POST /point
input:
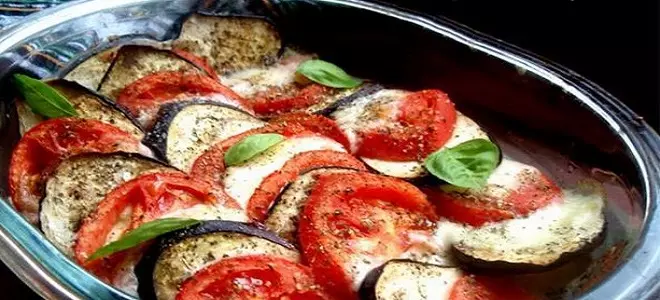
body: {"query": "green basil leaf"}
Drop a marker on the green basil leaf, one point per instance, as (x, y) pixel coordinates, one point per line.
(145, 232)
(466, 165)
(42, 98)
(327, 74)
(251, 146)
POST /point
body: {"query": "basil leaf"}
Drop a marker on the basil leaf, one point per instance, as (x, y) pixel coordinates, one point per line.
(251, 146)
(466, 165)
(145, 232)
(327, 74)
(42, 98)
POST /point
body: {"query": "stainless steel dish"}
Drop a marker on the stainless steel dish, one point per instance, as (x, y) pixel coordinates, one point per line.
(566, 123)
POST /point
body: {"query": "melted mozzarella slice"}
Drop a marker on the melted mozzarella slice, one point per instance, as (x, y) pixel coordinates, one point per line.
(242, 180)
(509, 176)
(361, 114)
(250, 82)
(425, 250)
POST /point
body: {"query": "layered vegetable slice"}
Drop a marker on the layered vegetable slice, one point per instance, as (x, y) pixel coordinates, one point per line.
(394, 130)
(179, 256)
(144, 96)
(210, 166)
(408, 280)
(185, 130)
(354, 222)
(284, 215)
(253, 277)
(278, 89)
(230, 43)
(141, 200)
(87, 103)
(77, 186)
(272, 185)
(315, 123)
(541, 239)
(512, 190)
(134, 62)
(242, 181)
(91, 71)
(43, 147)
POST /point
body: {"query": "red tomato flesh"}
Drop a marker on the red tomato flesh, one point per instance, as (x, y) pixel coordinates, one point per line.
(359, 215)
(315, 123)
(252, 277)
(289, 99)
(144, 96)
(271, 186)
(533, 193)
(143, 199)
(199, 62)
(424, 123)
(43, 147)
(486, 288)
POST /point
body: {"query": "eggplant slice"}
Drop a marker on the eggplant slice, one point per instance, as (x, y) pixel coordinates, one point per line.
(88, 104)
(179, 255)
(285, 212)
(230, 43)
(135, 62)
(409, 280)
(90, 72)
(78, 184)
(351, 118)
(185, 130)
(544, 238)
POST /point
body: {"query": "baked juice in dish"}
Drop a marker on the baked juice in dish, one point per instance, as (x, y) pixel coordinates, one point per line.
(225, 164)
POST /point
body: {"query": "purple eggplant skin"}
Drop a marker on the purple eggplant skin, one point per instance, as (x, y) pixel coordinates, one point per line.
(124, 71)
(367, 290)
(156, 138)
(480, 266)
(365, 90)
(101, 98)
(145, 267)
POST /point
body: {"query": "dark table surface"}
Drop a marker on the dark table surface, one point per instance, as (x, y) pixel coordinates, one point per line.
(613, 43)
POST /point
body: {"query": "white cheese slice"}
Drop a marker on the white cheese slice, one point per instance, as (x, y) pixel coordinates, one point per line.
(242, 180)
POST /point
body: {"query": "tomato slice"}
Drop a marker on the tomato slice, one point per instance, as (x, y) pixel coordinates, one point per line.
(210, 166)
(470, 287)
(44, 146)
(197, 61)
(271, 186)
(531, 193)
(424, 123)
(252, 277)
(143, 199)
(140, 200)
(315, 123)
(144, 96)
(360, 216)
(278, 100)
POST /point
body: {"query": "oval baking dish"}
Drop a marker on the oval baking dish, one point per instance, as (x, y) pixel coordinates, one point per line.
(536, 111)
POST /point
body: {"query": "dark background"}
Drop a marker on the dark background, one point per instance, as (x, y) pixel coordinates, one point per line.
(613, 43)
